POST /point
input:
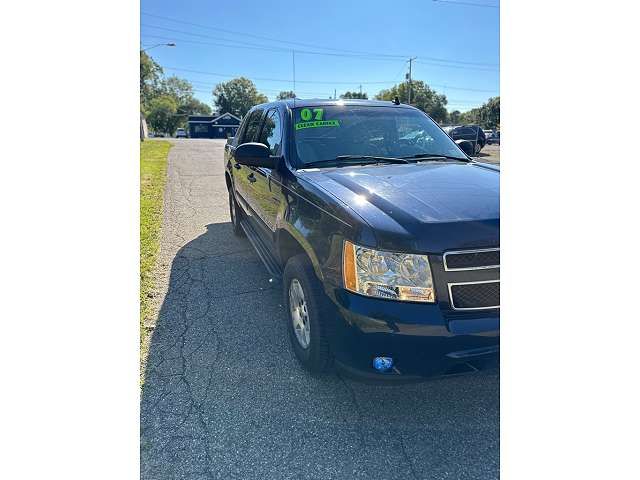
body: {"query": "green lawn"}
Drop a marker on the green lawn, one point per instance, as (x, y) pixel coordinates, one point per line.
(153, 176)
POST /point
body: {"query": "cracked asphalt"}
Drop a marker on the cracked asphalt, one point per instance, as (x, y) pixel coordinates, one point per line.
(224, 397)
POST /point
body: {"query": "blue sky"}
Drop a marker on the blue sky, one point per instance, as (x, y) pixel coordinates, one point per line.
(368, 42)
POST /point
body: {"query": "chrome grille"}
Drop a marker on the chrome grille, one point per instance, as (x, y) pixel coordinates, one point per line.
(472, 259)
(475, 295)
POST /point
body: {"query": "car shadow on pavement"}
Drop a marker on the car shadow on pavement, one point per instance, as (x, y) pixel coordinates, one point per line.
(224, 397)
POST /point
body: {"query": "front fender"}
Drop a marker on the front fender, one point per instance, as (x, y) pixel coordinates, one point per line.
(320, 236)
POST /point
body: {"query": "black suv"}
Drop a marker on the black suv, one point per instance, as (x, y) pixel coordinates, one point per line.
(385, 235)
(472, 133)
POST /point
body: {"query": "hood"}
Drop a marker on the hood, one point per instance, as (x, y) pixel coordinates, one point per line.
(429, 206)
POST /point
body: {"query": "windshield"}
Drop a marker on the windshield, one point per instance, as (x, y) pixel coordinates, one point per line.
(324, 133)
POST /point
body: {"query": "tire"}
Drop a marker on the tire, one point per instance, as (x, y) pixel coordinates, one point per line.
(236, 215)
(477, 148)
(315, 356)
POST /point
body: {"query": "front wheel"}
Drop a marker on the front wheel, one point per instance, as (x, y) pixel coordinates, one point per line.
(309, 315)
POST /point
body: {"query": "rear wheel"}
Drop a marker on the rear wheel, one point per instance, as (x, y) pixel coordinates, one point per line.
(235, 214)
(310, 314)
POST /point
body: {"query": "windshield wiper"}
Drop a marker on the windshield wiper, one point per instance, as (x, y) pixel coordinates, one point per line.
(354, 159)
(371, 157)
(431, 156)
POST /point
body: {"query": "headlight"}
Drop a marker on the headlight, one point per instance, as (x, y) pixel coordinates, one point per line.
(397, 276)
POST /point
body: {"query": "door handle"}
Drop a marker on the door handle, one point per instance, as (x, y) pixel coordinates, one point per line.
(237, 166)
(251, 177)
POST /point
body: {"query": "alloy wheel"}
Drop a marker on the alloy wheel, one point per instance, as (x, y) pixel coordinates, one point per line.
(299, 313)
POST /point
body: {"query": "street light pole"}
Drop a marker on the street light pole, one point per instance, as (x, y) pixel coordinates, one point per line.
(171, 44)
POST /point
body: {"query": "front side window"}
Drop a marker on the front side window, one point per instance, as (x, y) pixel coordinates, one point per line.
(271, 134)
(324, 133)
(253, 123)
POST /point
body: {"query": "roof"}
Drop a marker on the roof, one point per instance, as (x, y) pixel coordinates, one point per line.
(211, 118)
(318, 102)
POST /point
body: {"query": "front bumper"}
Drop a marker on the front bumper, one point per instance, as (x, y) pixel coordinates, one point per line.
(424, 340)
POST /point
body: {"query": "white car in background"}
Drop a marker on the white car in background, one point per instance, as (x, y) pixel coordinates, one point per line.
(181, 133)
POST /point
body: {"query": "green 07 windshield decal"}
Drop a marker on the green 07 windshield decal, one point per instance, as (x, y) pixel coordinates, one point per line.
(318, 123)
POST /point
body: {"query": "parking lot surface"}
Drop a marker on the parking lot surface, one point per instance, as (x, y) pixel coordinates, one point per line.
(489, 154)
(224, 397)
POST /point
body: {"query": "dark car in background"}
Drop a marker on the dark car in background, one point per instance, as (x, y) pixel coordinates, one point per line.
(493, 139)
(384, 234)
(472, 133)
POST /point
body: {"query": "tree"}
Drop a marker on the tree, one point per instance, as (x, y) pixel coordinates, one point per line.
(422, 97)
(491, 114)
(162, 114)
(181, 90)
(237, 96)
(193, 106)
(362, 95)
(285, 94)
(455, 117)
(487, 115)
(150, 75)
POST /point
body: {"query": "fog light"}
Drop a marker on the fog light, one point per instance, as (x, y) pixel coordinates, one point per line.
(383, 364)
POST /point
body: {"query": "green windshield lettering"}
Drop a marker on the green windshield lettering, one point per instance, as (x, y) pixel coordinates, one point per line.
(318, 123)
(305, 114)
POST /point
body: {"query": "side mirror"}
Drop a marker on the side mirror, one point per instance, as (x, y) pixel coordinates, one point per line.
(255, 154)
(466, 146)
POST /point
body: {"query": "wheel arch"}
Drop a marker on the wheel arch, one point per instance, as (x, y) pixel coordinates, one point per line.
(290, 243)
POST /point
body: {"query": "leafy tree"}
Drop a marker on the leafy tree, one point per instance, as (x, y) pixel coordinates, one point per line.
(193, 106)
(150, 75)
(348, 94)
(455, 117)
(487, 116)
(285, 94)
(181, 90)
(491, 112)
(237, 96)
(422, 97)
(161, 114)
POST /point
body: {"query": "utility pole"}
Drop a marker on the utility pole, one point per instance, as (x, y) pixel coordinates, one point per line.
(361, 90)
(409, 77)
(334, 94)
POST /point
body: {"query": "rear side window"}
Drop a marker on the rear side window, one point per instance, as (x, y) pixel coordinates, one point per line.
(253, 123)
(271, 134)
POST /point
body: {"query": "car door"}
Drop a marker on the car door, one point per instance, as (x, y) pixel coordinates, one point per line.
(265, 185)
(243, 175)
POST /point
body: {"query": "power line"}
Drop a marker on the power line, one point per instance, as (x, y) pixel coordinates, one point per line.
(250, 46)
(462, 67)
(201, 35)
(324, 82)
(260, 37)
(287, 80)
(354, 53)
(288, 51)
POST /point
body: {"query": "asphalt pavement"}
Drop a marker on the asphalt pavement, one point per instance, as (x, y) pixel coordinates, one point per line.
(224, 397)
